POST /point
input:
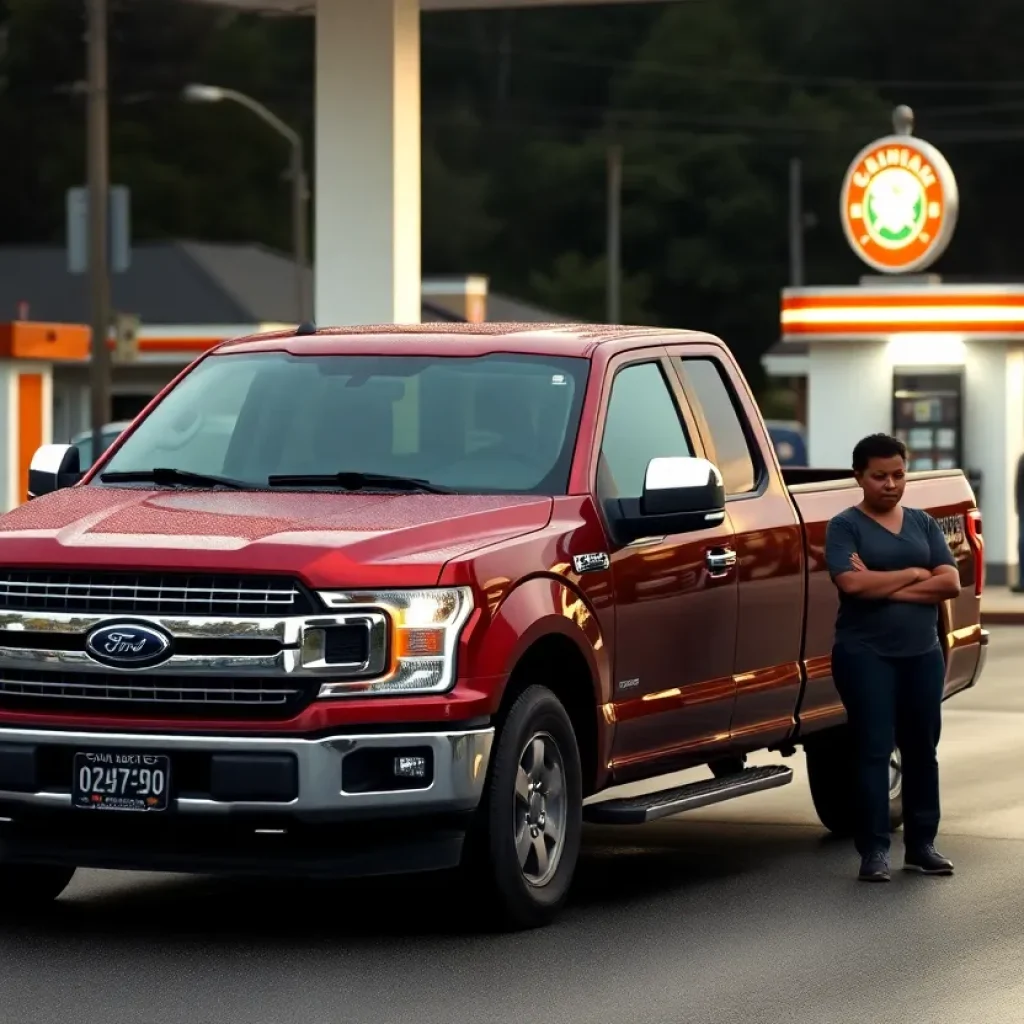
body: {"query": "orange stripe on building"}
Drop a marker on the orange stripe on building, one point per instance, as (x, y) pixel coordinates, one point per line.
(879, 327)
(882, 301)
(175, 344)
(30, 425)
(178, 344)
(875, 314)
(25, 339)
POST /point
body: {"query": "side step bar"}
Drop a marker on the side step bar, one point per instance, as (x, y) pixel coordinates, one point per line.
(636, 810)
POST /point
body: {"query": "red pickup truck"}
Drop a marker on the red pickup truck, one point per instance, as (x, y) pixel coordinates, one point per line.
(396, 599)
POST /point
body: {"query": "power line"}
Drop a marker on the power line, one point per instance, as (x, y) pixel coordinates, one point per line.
(659, 124)
(626, 131)
(642, 117)
(780, 129)
(568, 57)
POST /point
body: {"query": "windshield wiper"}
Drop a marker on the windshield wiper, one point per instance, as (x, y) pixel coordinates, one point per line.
(355, 481)
(165, 476)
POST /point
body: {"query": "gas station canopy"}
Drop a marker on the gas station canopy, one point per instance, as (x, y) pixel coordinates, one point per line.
(309, 6)
(367, 166)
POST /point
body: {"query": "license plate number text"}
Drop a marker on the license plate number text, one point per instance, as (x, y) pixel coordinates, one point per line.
(120, 781)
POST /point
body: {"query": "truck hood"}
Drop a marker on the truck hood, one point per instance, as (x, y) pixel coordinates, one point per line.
(326, 539)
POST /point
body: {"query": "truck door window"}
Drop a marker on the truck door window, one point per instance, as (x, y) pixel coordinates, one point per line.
(715, 408)
(642, 423)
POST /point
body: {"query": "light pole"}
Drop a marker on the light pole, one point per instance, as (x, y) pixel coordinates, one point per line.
(797, 223)
(300, 188)
(98, 182)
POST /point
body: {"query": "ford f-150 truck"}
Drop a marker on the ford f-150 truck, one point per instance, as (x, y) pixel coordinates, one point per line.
(394, 599)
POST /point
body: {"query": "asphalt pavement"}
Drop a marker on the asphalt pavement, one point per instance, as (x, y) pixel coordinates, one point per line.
(745, 912)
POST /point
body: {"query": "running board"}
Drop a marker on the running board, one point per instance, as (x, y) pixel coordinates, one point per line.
(636, 810)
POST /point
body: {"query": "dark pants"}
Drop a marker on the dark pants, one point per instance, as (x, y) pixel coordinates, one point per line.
(893, 701)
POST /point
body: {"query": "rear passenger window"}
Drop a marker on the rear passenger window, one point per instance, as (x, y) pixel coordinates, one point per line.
(642, 424)
(707, 386)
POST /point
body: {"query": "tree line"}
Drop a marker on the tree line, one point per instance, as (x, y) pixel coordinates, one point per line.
(709, 100)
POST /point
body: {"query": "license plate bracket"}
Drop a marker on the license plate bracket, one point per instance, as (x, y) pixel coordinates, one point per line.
(120, 780)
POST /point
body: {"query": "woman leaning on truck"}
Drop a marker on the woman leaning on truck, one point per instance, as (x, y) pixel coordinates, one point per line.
(893, 568)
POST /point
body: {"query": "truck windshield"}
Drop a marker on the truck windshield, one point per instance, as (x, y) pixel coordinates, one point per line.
(489, 424)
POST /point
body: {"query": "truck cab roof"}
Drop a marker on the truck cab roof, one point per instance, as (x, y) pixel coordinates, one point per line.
(580, 340)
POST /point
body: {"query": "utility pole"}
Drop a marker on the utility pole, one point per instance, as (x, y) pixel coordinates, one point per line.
(614, 236)
(98, 182)
(797, 224)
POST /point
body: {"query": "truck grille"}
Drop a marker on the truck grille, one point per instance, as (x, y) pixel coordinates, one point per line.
(156, 696)
(99, 593)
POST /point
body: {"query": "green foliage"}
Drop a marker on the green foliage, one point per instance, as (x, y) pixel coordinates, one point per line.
(709, 100)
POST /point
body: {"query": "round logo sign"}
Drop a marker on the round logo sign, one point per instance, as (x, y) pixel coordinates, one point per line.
(127, 645)
(899, 204)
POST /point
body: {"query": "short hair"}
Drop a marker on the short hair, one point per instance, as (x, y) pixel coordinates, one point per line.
(877, 446)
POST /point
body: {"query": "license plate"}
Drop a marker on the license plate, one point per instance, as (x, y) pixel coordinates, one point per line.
(121, 781)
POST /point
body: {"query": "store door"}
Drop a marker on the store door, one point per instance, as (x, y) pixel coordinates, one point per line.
(927, 417)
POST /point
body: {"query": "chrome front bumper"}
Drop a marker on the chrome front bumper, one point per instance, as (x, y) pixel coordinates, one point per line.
(458, 760)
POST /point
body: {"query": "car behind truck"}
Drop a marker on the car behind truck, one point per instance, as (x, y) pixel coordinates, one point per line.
(398, 599)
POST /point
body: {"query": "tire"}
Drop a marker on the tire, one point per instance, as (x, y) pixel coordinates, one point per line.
(536, 744)
(26, 887)
(831, 772)
(727, 766)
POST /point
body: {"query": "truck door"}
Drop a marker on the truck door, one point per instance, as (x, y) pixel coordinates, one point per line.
(769, 545)
(675, 596)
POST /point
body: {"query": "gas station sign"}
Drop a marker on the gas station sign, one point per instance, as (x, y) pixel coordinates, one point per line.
(899, 201)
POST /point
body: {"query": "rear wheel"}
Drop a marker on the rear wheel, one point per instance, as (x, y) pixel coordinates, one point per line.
(31, 886)
(521, 853)
(831, 770)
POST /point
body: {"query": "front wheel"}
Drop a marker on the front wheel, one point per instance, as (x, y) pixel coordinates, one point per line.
(523, 849)
(30, 886)
(831, 770)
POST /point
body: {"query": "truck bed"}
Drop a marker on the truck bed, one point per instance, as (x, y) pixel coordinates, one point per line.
(818, 495)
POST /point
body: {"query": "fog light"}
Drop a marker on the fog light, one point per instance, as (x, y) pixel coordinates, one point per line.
(410, 767)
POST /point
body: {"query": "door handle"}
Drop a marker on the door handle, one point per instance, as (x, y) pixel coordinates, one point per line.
(720, 561)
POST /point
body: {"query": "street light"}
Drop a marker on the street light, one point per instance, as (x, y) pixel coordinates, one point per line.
(300, 191)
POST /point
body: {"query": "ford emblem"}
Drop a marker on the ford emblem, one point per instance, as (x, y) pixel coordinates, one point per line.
(127, 645)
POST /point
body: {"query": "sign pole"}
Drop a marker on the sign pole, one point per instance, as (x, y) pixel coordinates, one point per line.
(98, 180)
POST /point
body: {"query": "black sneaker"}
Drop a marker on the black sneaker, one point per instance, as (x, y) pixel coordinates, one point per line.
(927, 861)
(875, 868)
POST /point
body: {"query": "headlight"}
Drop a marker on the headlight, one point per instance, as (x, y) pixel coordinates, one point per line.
(423, 634)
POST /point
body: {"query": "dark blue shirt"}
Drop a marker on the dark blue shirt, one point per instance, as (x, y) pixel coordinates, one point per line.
(893, 629)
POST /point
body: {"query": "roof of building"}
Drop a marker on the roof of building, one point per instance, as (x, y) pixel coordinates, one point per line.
(183, 282)
(502, 309)
(788, 348)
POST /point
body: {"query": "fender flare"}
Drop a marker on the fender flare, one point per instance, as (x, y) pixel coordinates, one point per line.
(546, 605)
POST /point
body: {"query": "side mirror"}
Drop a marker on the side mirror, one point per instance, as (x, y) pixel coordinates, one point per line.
(681, 495)
(53, 467)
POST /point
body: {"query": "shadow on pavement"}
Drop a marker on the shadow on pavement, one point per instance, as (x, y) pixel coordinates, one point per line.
(618, 867)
